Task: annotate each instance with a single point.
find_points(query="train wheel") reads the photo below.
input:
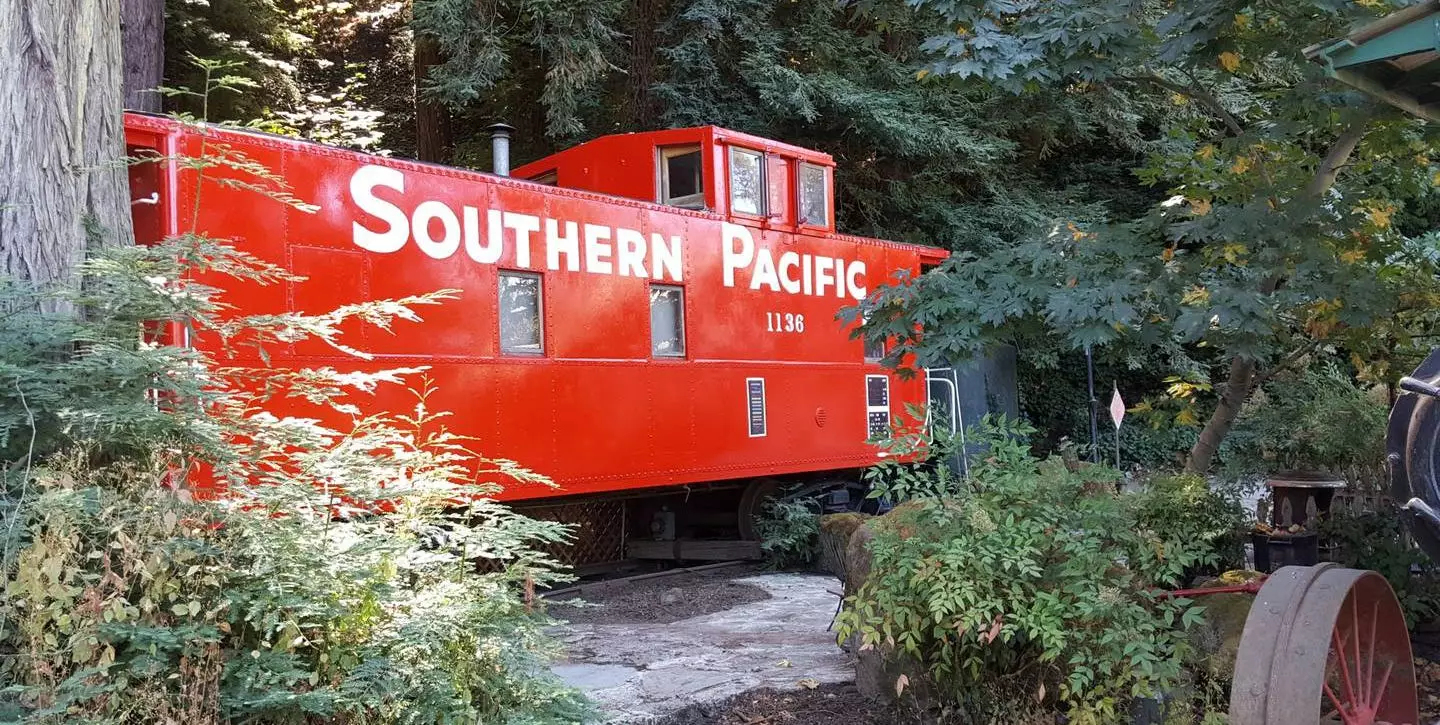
(1324, 644)
(752, 504)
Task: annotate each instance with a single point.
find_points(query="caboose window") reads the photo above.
(874, 345)
(667, 321)
(874, 348)
(747, 181)
(680, 180)
(812, 196)
(521, 314)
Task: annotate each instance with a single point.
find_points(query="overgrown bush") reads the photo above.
(175, 553)
(789, 533)
(1027, 582)
(1317, 418)
(1187, 507)
(1376, 540)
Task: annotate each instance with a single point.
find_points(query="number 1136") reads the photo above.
(784, 322)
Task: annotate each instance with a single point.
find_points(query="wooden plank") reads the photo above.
(692, 550)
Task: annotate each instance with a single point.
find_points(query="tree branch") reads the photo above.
(1337, 157)
(1200, 95)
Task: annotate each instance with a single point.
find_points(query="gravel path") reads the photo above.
(641, 671)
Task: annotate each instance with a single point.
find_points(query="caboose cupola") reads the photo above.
(746, 178)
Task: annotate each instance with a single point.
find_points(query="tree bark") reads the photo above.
(432, 121)
(61, 137)
(645, 17)
(1241, 380)
(1232, 399)
(142, 33)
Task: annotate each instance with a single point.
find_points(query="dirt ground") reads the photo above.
(1427, 674)
(666, 599)
(824, 705)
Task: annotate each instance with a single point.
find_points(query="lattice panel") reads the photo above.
(598, 530)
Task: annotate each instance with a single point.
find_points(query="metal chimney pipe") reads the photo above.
(500, 147)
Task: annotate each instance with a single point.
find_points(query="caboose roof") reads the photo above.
(674, 136)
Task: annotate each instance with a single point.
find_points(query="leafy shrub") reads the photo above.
(789, 533)
(1186, 507)
(1032, 578)
(1376, 540)
(1316, 418)
(339, 567)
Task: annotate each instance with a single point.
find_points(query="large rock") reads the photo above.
(1216, 640)
(835, 533)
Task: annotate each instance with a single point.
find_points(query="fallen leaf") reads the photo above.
(1040, 695)
(994, 629)
(1241, 165)
(1229, 61)
(809, 683)
(783, 663)
(900, 683)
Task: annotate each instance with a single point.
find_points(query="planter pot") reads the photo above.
(1273, 552)
(1294, 492)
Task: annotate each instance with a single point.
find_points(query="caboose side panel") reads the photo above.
(606, 343)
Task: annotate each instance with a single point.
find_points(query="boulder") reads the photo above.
(835, 533)
(1216, 641)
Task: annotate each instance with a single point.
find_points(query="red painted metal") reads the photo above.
(1250, 587)
(597, 411)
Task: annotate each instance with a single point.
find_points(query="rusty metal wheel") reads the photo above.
(1324, 644)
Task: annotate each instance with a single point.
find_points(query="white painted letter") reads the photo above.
(822, 274)
(362, 186)
(597, 251)
(487, 252)
(555, 245)
(839, 277)
(805, 273)
(856, 269)
(665, 257)
(631, 257)
(731, 258)
(524, 225)
(789, 260)
(420, 227)
(764, 273)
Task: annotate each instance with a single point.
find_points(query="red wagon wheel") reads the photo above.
(1324, 644)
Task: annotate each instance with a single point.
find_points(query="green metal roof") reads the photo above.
(1394, 59)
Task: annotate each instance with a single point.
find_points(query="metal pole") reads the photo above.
(1094, 430)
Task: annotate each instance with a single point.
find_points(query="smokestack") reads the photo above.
(500, 147)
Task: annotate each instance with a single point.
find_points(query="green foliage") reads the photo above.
(1187, 507)
(574, 40)
(1032, 578)
(1376, 540)
(1316, 418)
(176, 552)
(1261, 251)
(789, 533)
(336, 73)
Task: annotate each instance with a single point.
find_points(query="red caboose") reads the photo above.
(648, 312)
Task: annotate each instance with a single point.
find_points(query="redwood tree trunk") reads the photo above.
(61, 136)
(432, 121)
(142, 28)
(645, 17)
